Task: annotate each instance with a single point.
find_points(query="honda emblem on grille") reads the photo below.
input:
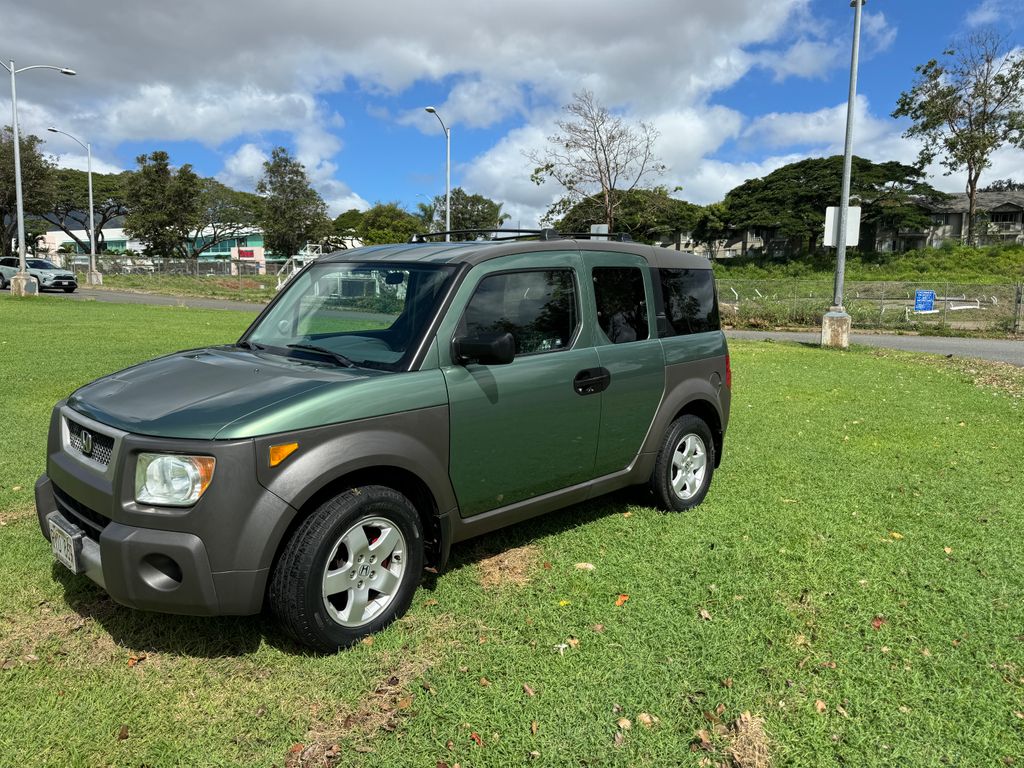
(86, 443)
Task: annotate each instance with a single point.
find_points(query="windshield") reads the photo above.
(368, 314)
(40, 264)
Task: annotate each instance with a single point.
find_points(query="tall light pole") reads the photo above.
(447, 174)
(93, 277)
(835, 326)
(22, 284)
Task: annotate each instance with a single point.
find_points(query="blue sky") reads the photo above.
(736, 88)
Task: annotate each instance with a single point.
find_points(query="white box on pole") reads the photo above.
(832, 226)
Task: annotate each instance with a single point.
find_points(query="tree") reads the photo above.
(468, 212)
(792, 199)
(70, 209)
(346, 223)
(224, 214)
(647, 215)
(292, 213)
(967, 106)
(597, 154)
(36, 184)
(712, 226)
(164, 205)
(388, 223)
(1004, 185)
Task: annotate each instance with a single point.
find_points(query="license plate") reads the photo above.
(64, 546)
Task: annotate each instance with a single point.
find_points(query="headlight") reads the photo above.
(172, 480)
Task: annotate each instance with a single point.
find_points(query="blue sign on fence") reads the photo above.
(924, 301)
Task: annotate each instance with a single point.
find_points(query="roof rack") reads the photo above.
(619, 237)
(525, 234)
(514, 234)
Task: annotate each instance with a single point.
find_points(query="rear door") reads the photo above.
(629, 350)
(521, 430)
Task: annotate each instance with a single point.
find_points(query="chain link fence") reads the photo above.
(875, 304)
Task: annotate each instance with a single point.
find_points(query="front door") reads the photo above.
(521, 430)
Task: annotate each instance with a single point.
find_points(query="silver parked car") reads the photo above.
(46, 273)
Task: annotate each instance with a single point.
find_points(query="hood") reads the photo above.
(195, 394)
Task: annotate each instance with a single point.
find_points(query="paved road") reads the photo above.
(1002, 350)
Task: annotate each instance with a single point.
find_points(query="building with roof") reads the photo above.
(999, 218)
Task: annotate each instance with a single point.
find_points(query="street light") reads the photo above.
(447, 174)
(22, 284)
(835, 325)
(93, 277)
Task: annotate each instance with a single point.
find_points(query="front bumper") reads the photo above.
(210, 559)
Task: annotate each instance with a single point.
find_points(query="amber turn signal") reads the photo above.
(279, 453)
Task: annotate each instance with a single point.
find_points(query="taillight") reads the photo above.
(728, 374)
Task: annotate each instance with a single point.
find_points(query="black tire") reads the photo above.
(39, 284)
(3, 283)
(69, 290)
(297, 593)
(692, 489)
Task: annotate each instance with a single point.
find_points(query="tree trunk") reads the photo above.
(972, 202)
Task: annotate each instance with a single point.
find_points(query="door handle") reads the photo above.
(590, 381)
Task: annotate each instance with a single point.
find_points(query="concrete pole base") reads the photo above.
(835, 329)
(23, 284)
(94, 278)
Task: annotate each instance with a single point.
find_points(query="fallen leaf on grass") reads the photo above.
(828, 664)
(15, 488)
(624, 723)
(821, 706)
(704, 615)
(618, 739)
(598, 628)
(534, 727)
(621, 600)
(368, 640)
(431, 602)
(476, 737)
(136, 660)
(123, 733)
(484, 682)
(572, 642)
(564, 603)
(627, 514)
(701, 740)
(528, 690)
(404, 703)
(647, 720)
(534, 754)
(877, 622)
(948, 550)
(727, 683)
(547, 566)
(585, 567)
(896, 535)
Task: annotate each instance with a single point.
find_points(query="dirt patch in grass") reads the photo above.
(12, 515)
(984, 374)
(49, 632)
(510, 566)
(382, 708)
(750, 747)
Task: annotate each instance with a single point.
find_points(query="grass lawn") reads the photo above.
(253, 288)
(853, 581)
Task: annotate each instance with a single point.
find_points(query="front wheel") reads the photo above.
(350, 568)
(685, 464)
(69, 290)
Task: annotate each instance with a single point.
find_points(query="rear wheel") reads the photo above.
(3, 282)
(350, 569)
(685, 464)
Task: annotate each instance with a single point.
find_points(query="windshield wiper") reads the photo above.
(249, 345)
(336, 356)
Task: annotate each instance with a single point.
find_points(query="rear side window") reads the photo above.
(691, 304)
(538, 307)
(621, 304)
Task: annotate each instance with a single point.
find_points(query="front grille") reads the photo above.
(102, 445)
(89, 520)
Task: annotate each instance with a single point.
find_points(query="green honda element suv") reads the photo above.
(390, 402)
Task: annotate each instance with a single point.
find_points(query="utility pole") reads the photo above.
(835, 325)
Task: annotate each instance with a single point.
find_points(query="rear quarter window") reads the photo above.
(690, 301)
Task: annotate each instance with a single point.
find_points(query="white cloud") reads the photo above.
(878, 33)
(243, 168)
(986, 13)
(805, 58)
(80, 162)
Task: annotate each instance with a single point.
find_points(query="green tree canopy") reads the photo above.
(164, 205)
(292, 213)
(647, 215)
(70, 209)
(224, 214)
(36, 185)
(388, 223)
(468, 212)
(711, 227)
(966, 106)
(346, 223)
(792, 199)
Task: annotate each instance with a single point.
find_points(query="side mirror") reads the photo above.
(494, 348)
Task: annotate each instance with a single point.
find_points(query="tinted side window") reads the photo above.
(621, 305)
(539, 308)
(691, 305)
